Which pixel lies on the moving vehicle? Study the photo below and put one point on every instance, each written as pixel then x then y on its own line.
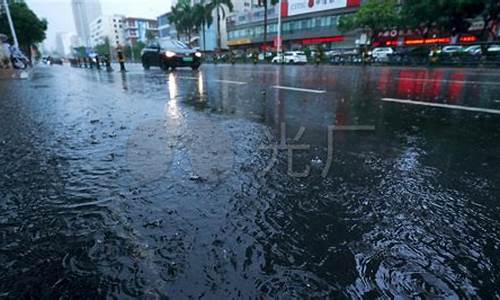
pixel 170 54
pixel 290 57
pixel 18 59
pixel 382 54
pixel 55 61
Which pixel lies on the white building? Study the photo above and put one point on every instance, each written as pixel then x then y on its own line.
pixel 209 43
pixel 84 13
pixel 65 42
pixel 110 27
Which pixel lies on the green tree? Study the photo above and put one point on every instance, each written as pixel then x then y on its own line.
pixel 447 15
pixel 103 48
pixel 183 18
pixel 150 35
pixel 80 51
pixel 373 17
pixel 29 28
pixel 220 7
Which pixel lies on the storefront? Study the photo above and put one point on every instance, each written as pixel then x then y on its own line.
pixel 304 24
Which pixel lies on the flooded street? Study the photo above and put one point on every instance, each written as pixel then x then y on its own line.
pixel 250 182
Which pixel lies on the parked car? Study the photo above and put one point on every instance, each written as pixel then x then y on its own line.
pixel 494 49
pixel 290 57
pixel 381 54
pixel 450 49
pixel 170 54
pixel 474 50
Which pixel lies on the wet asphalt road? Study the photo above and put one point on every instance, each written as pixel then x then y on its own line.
pixel 191 184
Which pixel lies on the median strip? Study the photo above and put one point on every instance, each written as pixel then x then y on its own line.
pixel 442 105
pixel 279 87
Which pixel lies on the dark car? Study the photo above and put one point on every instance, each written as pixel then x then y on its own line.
pixel 55 61
pixel 170 54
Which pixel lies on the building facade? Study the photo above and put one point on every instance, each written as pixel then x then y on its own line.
pixel 65 42
pixel 84 13
pixel 110 28
pixel 165 29
pixel 139 29
pixel 305 23
pixel 208 35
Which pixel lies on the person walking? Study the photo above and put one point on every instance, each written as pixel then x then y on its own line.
pixel 121 60
pixel 4 52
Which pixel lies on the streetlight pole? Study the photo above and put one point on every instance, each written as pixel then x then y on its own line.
pixel 278 48
pixel 11 24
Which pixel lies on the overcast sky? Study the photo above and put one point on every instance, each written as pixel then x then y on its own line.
pixel 60 17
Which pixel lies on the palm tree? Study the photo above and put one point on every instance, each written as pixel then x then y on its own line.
pixel 183 18
pixel 220 7
pixel 265 4
pixel 203 18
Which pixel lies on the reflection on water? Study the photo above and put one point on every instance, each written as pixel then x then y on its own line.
pixel 113 192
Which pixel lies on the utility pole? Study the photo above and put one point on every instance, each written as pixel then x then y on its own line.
pixel 11 24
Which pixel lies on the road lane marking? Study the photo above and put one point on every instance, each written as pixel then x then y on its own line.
pixel 442 105
pixel 279 87
pixel 187 77
pixel 450 81
pixel 496 101
pixel 230 82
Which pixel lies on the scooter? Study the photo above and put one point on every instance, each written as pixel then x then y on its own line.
pixel 18 59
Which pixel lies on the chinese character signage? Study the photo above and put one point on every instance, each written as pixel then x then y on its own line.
pixel 298 7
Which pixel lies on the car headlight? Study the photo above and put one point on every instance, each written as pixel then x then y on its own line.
pixel 198 54
pixel 170 54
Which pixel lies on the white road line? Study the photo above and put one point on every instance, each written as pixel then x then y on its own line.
pixel 186 77
pixel 231 82
pixel 450 81
pixel 442 105
pixel 279 87
pixel 496 101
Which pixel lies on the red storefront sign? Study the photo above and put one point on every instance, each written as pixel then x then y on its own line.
pixel 332 39
pixel 353 3
pixel 429 41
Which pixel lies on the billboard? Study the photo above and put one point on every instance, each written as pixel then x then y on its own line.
pixel 298 7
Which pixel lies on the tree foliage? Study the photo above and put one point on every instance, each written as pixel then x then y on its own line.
pixel 373 17
pixel 29 28
pixel 451 16
pixel 221 7
pixel 183 18
pixel 134 51
pixel 103 48
pixel 189 19
pixel 448 15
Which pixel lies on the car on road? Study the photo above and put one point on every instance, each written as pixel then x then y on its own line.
pixel 381 54
pixel 170 54
pixel 290 57
pixel 56 61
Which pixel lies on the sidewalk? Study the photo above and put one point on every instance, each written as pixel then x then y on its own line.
pixel 6 74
